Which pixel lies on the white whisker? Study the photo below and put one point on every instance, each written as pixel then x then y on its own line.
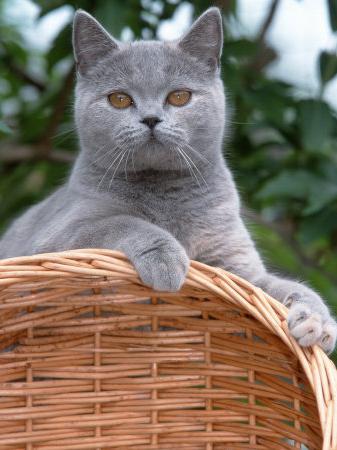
pixel 194 165
pixel 197 153
pixel 132 160
pixel 108 169
pixel 125 165
pixel 116 168
pixel 190 168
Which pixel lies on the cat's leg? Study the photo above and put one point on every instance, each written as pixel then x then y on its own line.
pixel 309 319
pixel 158 257
pixel 160 260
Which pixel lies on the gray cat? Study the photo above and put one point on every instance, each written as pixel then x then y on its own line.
pixel 150 179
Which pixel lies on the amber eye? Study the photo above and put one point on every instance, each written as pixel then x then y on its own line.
pixel 120 100
pixel 178 98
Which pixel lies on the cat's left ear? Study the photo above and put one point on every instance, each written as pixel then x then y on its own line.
pixel 91 42
pixel 205 38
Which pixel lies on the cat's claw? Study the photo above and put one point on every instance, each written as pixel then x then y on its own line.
pixel 163 268
pixel 311 326
pixel 329 336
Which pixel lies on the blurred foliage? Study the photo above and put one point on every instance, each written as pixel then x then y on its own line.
pixel 283 149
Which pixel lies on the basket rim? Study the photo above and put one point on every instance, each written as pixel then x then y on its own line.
pixel 97 263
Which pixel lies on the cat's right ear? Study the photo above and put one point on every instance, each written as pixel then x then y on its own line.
pixel 91 42
pixel 205 37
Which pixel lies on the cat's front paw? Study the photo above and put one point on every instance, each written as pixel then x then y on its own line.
pixel 163 266
pixel 309 321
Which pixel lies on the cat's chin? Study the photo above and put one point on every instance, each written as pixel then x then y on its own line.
pixel 153 140
pixel 159 138
pixel 154 155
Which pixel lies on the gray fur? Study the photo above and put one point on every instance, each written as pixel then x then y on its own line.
pixel 161 201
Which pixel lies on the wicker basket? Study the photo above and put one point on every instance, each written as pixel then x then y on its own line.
pixel 92 359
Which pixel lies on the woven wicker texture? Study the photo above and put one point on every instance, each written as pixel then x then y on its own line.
pixel 92 359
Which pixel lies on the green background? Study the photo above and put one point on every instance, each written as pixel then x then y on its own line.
pixel 282 148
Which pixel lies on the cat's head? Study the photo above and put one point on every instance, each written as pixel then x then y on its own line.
pixel 149 104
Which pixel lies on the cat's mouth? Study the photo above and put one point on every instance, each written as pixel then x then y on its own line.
pixel 157 137
pixel 153 137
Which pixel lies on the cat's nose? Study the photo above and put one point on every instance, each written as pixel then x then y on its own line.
pixel 151 121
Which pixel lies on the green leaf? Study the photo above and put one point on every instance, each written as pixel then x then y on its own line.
pixel 278 253
pixel 327 66
pixel 4 129
pixel 288 184
pixel 317 227
pixel 61 47
pixel 281 255
pixel 315 191
pixel 320 194
pixel 114 16
pixel 48 5
pixel 240 48
pixel 315 124
pixel 332 4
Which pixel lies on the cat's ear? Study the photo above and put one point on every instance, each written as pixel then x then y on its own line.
pixel 91 42
pixel 205 38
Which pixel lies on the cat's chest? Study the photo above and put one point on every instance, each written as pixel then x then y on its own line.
pixel 188 213
pixel 164 208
